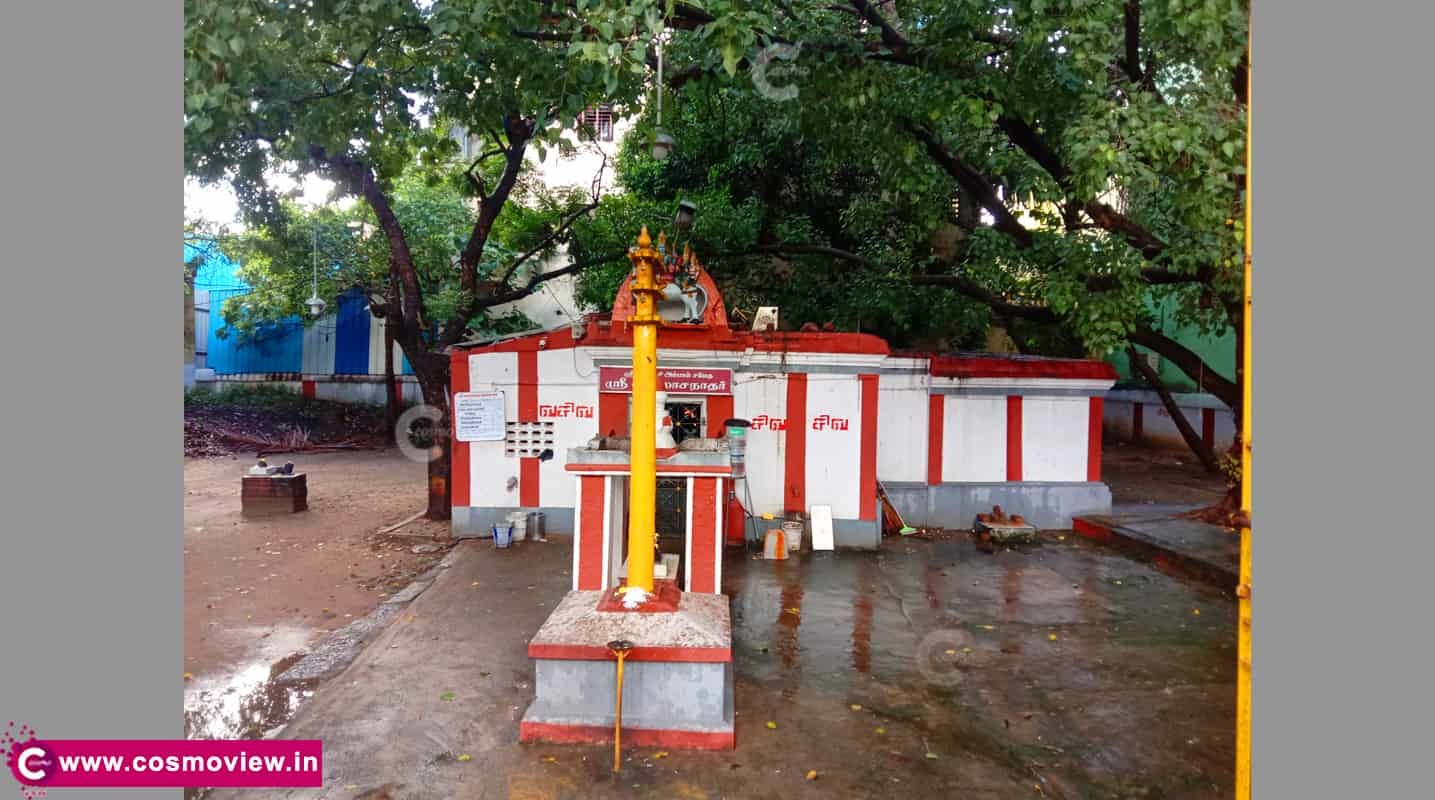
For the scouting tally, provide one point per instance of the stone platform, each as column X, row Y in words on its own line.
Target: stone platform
column 677, row 679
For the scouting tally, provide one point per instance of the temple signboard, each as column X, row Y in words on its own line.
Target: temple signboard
column 673, row 380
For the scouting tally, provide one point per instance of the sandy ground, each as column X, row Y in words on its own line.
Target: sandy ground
column 1144, row 475
column 256, row 591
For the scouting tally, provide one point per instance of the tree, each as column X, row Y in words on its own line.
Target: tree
column 362, row 90
column 1114, row 129
column 1077, row 157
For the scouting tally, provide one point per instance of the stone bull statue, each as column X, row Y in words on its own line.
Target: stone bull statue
column 686, row 290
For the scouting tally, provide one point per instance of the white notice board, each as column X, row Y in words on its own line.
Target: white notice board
column 478, row 416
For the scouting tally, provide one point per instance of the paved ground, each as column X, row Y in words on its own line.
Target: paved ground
column 930, row 669
column 257, row 591
column 1156, row 533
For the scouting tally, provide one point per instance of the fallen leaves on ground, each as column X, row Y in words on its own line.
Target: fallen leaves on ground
column 856, row 706
column 812, row 774
column 881, row 731
column 772, row 725
column 465, row 757
column 661, row 754
column 447, row 696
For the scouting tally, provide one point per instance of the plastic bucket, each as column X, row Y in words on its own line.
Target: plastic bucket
column 502, row 536
column 518, row 521
column 792, row 533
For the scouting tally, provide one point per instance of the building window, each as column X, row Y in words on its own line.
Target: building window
column 597, row 123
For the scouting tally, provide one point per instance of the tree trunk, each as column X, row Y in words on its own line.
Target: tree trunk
column 1193, row 439
column 432, row 372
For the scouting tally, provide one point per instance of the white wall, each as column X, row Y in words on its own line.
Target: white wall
column 1053, row 438
column 973, row 438
column 902, row 410
column 489, row 468
column 755, row 394
column 834, row 457
column 565, row 376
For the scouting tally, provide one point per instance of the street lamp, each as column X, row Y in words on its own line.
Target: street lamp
column 315, row 303
column 687, row 213
column 662, row 142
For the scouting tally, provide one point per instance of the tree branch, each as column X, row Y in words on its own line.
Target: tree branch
column 1193, row 440
column 360, row 179
column 1188, row 362
column 973, row 182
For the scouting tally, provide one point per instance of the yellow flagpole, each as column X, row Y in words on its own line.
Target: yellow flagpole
column 642, row 486
column 1243, row 591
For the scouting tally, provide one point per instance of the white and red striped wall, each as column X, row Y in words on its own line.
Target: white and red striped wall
column 832, row 414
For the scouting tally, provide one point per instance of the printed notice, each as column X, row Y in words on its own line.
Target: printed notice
column 478, row 416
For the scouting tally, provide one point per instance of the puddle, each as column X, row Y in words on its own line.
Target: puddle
column 246, row 702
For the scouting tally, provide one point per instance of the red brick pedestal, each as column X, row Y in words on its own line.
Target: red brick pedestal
column 267, row 495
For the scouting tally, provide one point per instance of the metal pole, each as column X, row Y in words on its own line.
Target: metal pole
column 642, row 485
column 1243, row 591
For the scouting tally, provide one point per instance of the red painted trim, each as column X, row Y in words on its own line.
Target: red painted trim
column 310, row 390
column 668, row 468
column 1093, row 438
column 695, row 337
column 460, row 482
column 640, row 737
column 719, row 411
column 1137, row 423
column 794, row 480
column 867, row 470
column 612, row 414
column 735, row 517
column 980, row 367
column 528, row 476
column 1013, row 437
column 590, row 533
column 936, row 422
column 1208, row 427
column 704, row 536
column 595, row 652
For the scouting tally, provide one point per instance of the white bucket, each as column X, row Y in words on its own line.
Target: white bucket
column 518, row 520
column 792, row 534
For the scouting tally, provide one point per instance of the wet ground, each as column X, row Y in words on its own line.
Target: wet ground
column 257, row 591
column 1059, row 670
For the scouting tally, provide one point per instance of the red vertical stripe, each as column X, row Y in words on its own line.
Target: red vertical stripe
column 735, row 516
column 1208, row 427
column 1013, row 437
column 867, row 481
column 719, row 411
column 528, row 412
column 1093, row 439
column 1136, row 422
column 310, row 390
column 795, row 476
column 459, row 480
column 936, row 420
column 590, row 533
column 702, row 570
column 612, row 414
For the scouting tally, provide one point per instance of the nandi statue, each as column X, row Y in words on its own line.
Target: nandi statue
column 684, row 288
